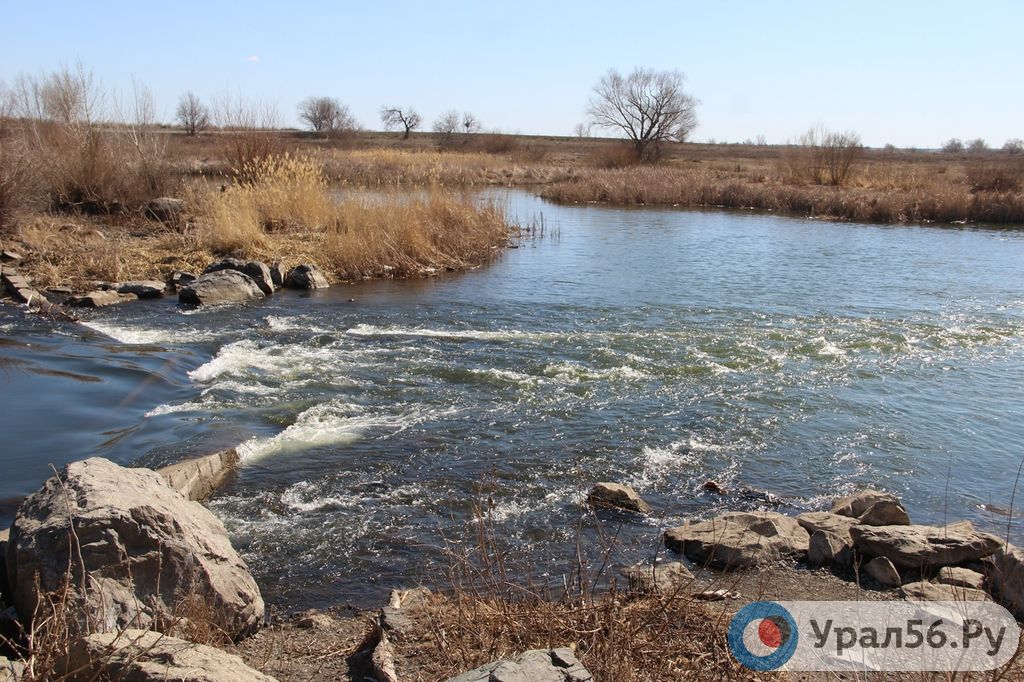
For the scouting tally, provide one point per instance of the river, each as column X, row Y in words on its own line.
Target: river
column 658, row 348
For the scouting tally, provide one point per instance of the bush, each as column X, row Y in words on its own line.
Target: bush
column 995, row 177
column 824, row 158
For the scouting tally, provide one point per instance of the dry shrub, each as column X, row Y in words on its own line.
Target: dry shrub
column 616, row 155
column 995, row 177
column 230, row 222
column 72, row 254
column 288, row 191
column 494, row 143
column 821, row 157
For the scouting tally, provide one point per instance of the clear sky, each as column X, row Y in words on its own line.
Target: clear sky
column 907, row 72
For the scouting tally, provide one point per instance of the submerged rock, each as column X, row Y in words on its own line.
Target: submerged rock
column 740, row 539
column 223, row 286
column 617, row 496
column 257, row 270
column 538, row 665
column 145, row 550
column 306, row 276
column 872, row 508
column 920, row 547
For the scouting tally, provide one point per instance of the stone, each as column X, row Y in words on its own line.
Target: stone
column 617, row 496
column 142, row 289
column 963, row 577
column 825, row 548
column 257, row 270
column 147, row 656
column 5, row 590
column 100, row 299
column 223, row 286
column 740, row 539
column 537, row 665
column 665, row 577
column 180, row 278
column 827, row 522
column 165, row 209
column 11, row 671
column 1007, row 578
column 10, row 257
column 19, row 287
column 198, row 478
column 276, row 274
column 926, row 591
column 313, row 620
column 883, row 572
column 922, row 547
column 872, row 508
column 306, row 276
column 396, row 622
column 144, row 548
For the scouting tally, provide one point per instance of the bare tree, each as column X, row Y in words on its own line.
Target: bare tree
column 396, row 117
column 470, row 123
column 953, row 145
column 825, row 158
column 1014, row 145
column 581, row 130
column 192, row 114
column 977, row 145
column 326, row 115
column 649, row 107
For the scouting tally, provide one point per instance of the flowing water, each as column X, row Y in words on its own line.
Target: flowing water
column 656, row 348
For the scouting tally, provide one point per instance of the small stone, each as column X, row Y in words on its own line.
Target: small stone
column 665, row 578
column 313, row 620
column 883, row 572
column 616, row 496
column 964, row 577
column 538, row 665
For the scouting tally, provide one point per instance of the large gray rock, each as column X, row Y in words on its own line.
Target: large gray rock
column 306, row 276
column 666, row 577
column 1007, row 577
column 825, row 548
column 962, row 577
column 617, row 496
column 198, row 478
column 144, row 548
column 883, row 572
column 257, row 270
column 926, row 591
column 740, row 539
column 101, row 299
column 537, row 665
column 921, row 547
column 223, row 286
column 142, row 289
column 147, row 656
column 873, row 508
column 827, row 522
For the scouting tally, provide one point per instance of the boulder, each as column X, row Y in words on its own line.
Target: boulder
column 617, row 496
column 306, row 276
column 198, row 478
column 537, row 665
column 826, row 548
column 257, row 270
column 142, row 289
column 165, row 209
column 926, row 591
column 276, row 274
column 223, row 286
column 827, row 522
column 1007, row 577
column 963, row 577
column 921, row 547
column 147, row 656
column 883, row 572
column 144, row 548
column 101, row 299
column 180, row 278
column 665, row 578
column 872, row 508
column 740, row 539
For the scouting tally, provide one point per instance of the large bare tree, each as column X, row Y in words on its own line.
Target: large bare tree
column 398, row 117
column 326, row 115
column 648, row 107
column 192, row 114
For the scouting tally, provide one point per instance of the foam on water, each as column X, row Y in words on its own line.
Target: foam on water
column 142, row 336
column 458, row 334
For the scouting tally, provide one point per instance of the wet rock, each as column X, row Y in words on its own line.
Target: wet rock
column 19, row 287
column 258, row 271
column 740, row 539
column 926, row 591
column 198, row 478
column 142, row 289
column 223, row 286
column 101, row 299
column 964, row 577
column 715, row 487
column 165, row 209
column 920, row 547
column 538, row 665
column 872, row 508
column 664, row 578
column 883, row 572
column 180, row 278
column 276, row 274
column 306, row 276
column 616, row 496
column 825, row 548
column 147, row 656
column 1007, row 577
column 143, row 546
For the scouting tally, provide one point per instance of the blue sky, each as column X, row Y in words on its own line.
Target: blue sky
column 906, row 72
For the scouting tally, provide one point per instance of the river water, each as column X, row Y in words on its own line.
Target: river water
column 657, row 348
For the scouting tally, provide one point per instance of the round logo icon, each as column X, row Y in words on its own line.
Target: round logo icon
column 762, row 636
